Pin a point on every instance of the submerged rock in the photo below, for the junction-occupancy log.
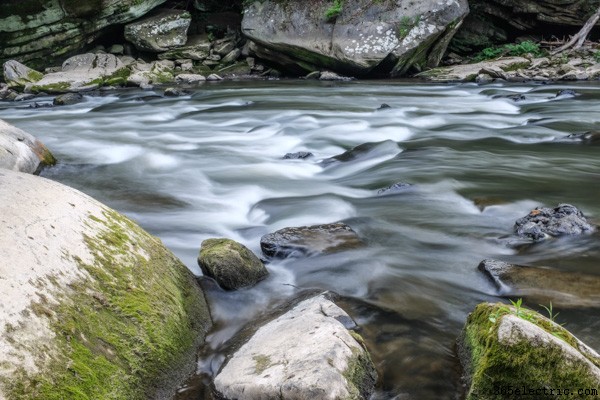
(163, 30)
(67, 99)
(563, 289)
(591, 137)
(395, 188)
(20, 151)
(543, 222)
(301, 155)
(310, 240)
(91, 303)
(306, 353)
(18, 75)
(230, 263)
(507, 348)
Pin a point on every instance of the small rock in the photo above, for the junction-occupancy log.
(24, 97)
(174, 92)
(146, 86)
(231, 264)
(332, 76)
(41, 105)
(591, 137)
(189, 78)
(517, 97)
(565, 93)
(11, 95)
(232, 56)
(395, 188)
(117, 49)
(559, 221)
(310, 240)
(384, 106)
(67, 99)
(214, 77)
(301, 155)
(224, 47)
(313, 75)
(20, 151)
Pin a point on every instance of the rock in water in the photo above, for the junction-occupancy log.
(563, 289)
(230, 263)
(20, 151)
(67, 99)
(18, 75)
(309, 240)
(544, 222)
(91, 303)
(395, 188)
(503, 347)
(162, 31)
(300, 155)
(307, 353)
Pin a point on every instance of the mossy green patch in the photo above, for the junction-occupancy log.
(262, 362)
(118, 331)
(360, 372)
(490, 364)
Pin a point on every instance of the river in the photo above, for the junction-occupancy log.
(210, 164)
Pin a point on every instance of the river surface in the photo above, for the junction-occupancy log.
(210, 165)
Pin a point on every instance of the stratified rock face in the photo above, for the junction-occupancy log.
(507, 348)
(391, 36)
(230, 263)
(91, 303)
(41, 32)
(307, 353)
(20, 151)
(559, 221)
(309, 240)
(162, 31)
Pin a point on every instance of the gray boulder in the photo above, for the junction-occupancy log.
(544, 222)
(504, 348)
(45, 32)
(231, 264)
(504, 68)
(362, 35)
(91, 303)
(543, 284)
(18, 75)
(67, 99)
(162, 31)
(20, 151)
(306, 353)
(82, 72)
(157, 72)
(309, 240)
(197, 48)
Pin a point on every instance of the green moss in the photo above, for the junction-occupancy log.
(262, 362)
(491, 364)
(360, 372)
(58, 87)
(122, 328)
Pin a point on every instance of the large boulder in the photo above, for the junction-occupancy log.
(544, 222)
(307, 353)
(93, 307)
(18, 75)
(42, 32)
(20, 151)
(504, 349)
(162, 31)
(353, 37)
(230, 263)
(563, 289)
(310, 240)
(81, 73)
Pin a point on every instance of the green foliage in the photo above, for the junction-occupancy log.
(406, 25)
(511, 49)
(334, 10)
(597, 56)
(551, 314)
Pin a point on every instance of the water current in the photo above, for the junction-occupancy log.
(210, 164)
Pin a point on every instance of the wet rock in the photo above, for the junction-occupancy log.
(301, 155)
(544, 222)
(162, 31)
(517, 97)
(18, 75)
(41, 105)
(505, 347)
(332, 76)
(310, 240)
(542, 284)
(174, 92)
(591, 137)
(224, 46)
(189, 78)
(395, 188)
(197, 49)
(214, 77)
(232, 56)
(24, 97)
(468, 72)
(306, 353)
(20, 151)
(67, 99)
(384, 106)
(313, 75)
(78, 275)
(566, 93)
(231, 264)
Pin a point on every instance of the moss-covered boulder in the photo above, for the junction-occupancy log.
(306, 353)
(93, 307)
(18, 75)
(20, 151)
(505, 349)
(230, 263)
(504, 68)
(353, 37)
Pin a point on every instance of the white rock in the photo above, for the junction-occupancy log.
(213, 77)
(20, 151)
(189, 78)
(19, 75)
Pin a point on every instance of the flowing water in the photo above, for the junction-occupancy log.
(210, 165)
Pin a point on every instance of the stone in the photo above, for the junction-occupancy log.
(306, 353)
(314, 75)
(20, 151)
(566, 93)
(190, 78)
(390, 37)
(232, 56)
(469, 72)
(214, 77)
(310, 240)
(230, 263)
(197, 48)
(332, 76)
(67, 99)
(543, 284)
(383, 106)
(18, 75)
(174, 92)
(224, 47)
(590, 137)
(504, 346)
(544, 222)
(87, 293)
(24, 97)
(163, 30)
(301, 155)
(83, 72)
(157, 72)
(45, 32)
(395, 188)
(117, 49)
